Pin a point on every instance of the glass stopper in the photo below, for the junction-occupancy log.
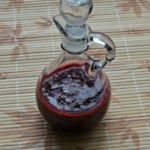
(75, 12)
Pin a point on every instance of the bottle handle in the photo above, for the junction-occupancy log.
(107, 43)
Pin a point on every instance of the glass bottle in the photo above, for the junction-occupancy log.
(73, 92)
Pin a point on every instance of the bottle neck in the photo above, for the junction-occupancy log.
(68, 56)
(75, 40)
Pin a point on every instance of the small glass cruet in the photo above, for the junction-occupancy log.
(73, 92)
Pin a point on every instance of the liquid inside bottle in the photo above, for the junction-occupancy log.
(70, 88)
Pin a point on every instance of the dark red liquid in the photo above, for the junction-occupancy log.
(72, 89)
(69, 98)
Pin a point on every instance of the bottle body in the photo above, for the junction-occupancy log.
(81, 105)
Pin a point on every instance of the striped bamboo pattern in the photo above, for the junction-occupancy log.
(29, 41)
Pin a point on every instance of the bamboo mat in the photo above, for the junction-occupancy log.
(29, 40)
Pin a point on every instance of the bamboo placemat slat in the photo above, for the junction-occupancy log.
(125, 126)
